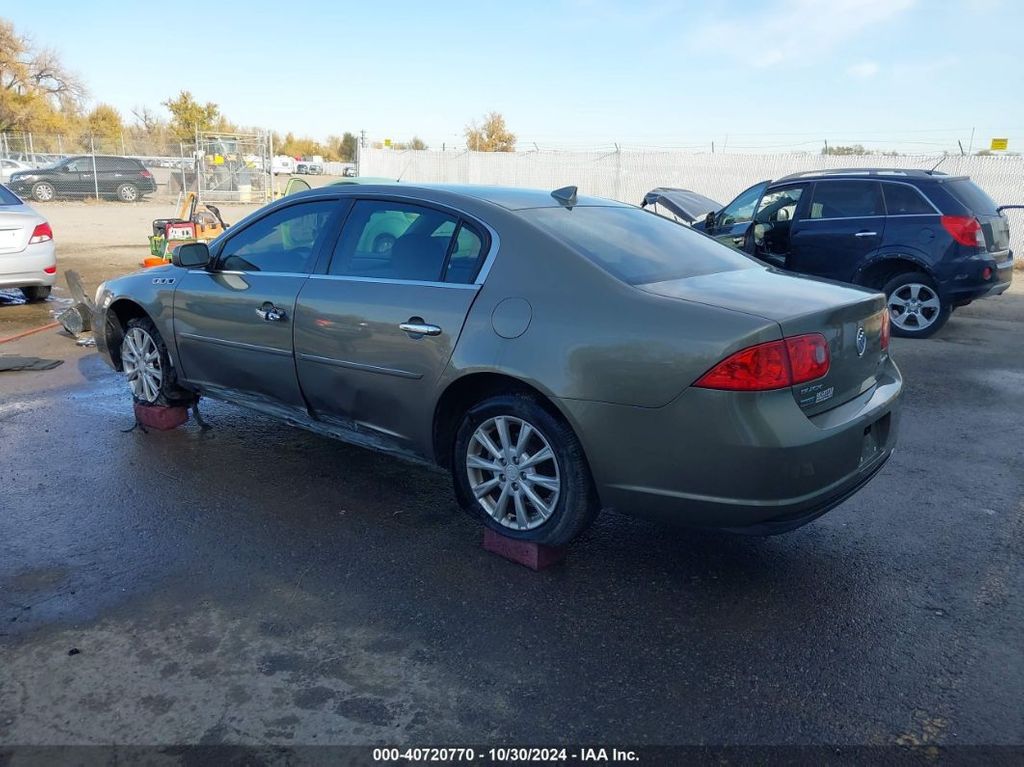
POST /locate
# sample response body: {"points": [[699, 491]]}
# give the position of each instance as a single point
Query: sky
{"points": [[906, 75]]}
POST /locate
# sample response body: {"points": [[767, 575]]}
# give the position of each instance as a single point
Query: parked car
{"points": [[28, 258], [282, 164], [123, 178], [557, 354], [9, 166], [929, 241], [302, 168]]}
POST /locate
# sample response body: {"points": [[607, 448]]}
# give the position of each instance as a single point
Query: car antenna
{"points": [[936, 165], [566, 196]]}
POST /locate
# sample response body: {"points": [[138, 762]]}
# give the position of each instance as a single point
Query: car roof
{"points": [[899, 174], [510, 198]]}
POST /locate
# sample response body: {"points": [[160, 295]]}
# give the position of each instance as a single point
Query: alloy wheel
{"points": [[140, 359], [914, 306], [513, 472]]}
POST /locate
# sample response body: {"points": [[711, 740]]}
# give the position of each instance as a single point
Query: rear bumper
{"points": [[737, 461], [964, 291], [27, 268]]}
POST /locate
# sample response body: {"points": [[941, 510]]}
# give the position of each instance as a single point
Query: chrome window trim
{"points": [[842, 218], [492, 252], [234, 273], [393, 281]]}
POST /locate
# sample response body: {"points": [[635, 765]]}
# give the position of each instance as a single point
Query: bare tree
{"points": [[490, 136]]}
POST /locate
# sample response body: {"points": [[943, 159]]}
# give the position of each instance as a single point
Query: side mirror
{"points": [[191, 255], [709, 220]]}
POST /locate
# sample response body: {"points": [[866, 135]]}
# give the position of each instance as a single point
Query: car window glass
{"points": [[7, 197], [465, 259], [637, 246], [778, 205], [393, 240], [284, 241], [903, 200], [81, 165], [846, 199], [106, 164], [741, 209]]}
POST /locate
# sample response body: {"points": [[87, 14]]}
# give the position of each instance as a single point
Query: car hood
{"points": [[760, 291], [683, 203]]}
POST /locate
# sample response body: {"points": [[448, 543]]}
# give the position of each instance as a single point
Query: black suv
{"points": [[118, 177], [929, 241]]}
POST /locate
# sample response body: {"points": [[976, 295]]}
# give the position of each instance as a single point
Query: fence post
{"points": [[618, 173], [269, 168], [95, 177]]}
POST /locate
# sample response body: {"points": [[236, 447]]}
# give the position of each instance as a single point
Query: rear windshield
{"points": [[7, 197], [972, 196], [635, 245]]}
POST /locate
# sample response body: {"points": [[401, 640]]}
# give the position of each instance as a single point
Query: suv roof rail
{"points": [[912, 172]]}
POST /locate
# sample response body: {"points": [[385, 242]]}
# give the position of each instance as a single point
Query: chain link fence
{"points": [[627, 175], [219, 167]]}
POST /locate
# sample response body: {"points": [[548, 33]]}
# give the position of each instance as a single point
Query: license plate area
{"points": [[876, 435]]}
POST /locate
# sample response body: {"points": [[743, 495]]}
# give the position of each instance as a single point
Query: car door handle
{"points": [[866, 234], [417, 327], [270, 313]]}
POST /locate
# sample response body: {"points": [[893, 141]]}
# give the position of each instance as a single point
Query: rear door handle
{"points": [[866, 234], [417, 327]]}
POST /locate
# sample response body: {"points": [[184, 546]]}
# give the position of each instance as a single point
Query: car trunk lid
{"points": [[15, 229], [849, 318]]}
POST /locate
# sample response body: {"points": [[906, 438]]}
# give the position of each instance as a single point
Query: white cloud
{"points": [[795, 30], [863, 70]]}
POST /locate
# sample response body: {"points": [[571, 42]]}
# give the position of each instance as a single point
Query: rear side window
{"points": [[972, 196], [904, 200], [7, 197], [637, 246], [846, 199]]}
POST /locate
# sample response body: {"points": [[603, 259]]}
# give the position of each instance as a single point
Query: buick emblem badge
{"points": [[862, 342]]}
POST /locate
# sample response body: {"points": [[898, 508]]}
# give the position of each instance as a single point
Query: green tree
{"points": [[189, 116], [492, 135], [104, 122], [349, 148], [855, 149]]}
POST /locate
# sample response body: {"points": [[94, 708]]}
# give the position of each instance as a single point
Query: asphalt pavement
{"points": [[258, 584]]}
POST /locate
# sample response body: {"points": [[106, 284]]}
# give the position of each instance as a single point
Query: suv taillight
{"points": [[145, 173], [774, 365], [42, 233], [965, 230], [886, 329]]}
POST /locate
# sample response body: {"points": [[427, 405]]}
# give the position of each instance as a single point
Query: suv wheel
{"points": [[36, 293], [128, 193], [43, 191], [915, 307], [521, 471], [147, 366]]}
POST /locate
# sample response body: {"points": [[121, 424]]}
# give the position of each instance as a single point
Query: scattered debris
{"points": [[15, 362], [77, 319], [89, 341], [74, 651]]}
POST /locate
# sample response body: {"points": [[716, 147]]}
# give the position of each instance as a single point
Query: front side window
{"points": [[284, 241], [846, 199], [394, 240], [637, 246], [903, 200], [778, 205], [741, 209]]}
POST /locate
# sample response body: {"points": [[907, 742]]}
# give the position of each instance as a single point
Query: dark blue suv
{"points": [[929, 241]]}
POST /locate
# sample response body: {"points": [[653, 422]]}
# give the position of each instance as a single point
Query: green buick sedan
{"points": [[557, 354]]}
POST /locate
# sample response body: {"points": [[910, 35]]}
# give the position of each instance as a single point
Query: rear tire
{"points": [[533, 487], [36, 293], [915, 306], [128, 193], [152, 378]]}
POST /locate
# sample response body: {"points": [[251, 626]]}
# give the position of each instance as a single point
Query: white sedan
{"points": [[28, 258], [8, 166]]}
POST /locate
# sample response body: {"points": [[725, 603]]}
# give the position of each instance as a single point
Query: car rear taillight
{"points": [[51, 269], [774, 365], [42, 233], [145, 173], [965, 230], [886, 330]]}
